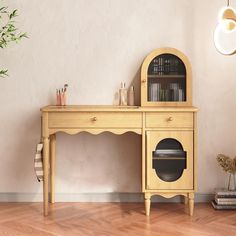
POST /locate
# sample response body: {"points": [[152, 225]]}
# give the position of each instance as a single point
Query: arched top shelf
{"points": [[166, 79]]}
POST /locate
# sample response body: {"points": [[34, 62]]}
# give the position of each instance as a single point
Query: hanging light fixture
{"points": [[225, 32]]}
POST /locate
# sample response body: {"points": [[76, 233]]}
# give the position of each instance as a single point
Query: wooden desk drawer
{"points": [[95, 120], [167, 119]]}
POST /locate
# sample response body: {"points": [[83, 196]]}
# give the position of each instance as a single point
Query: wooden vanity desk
{"points": [[149, 122]]}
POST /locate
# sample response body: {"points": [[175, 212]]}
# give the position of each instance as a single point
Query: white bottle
{"points": [[131, 96], [123, 95]]}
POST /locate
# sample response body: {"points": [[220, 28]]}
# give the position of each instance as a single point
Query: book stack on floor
{"points": [[224, 199]]}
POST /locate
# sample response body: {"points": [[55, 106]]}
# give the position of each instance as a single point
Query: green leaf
{"points": [[3, 73], [24, 35], [3, 9], [13, 14]]}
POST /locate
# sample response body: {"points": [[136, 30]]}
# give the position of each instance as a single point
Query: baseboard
{"points": [[96, 197]]}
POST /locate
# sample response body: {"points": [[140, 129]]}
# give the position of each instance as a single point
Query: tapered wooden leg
{"points": [[52, 167], [45, 174], [191, 203], [185, 200], [147, 203]]}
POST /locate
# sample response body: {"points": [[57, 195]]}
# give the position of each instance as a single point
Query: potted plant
{"points": [[229, 165]]}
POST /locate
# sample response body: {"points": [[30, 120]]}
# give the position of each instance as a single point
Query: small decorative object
{"points": [[131, 96], [123, 95], [229, 165], [58, 97], [38, 162], [61, 96], [224, 199]]}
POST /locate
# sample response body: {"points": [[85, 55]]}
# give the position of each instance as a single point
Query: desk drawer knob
{"points": [[144, 81], [94, 118], [169, 119]]}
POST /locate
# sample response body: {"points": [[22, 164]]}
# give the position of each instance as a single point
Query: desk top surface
{"points": [[106, 108]]}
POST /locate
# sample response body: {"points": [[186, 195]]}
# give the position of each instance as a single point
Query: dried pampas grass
{"points": [[228, 164]]}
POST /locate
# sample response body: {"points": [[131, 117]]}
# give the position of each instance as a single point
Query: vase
{"points": [[231, 183]]}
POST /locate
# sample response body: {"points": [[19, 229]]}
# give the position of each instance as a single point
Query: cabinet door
{"points": [[169, 160], [166, 79]]}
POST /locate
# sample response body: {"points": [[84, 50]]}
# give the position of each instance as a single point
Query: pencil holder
{"points": [[63, 99], [58, 99]]}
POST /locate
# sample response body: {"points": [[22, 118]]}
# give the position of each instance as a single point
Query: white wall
{"points": [[93, 45], [214, 93]]}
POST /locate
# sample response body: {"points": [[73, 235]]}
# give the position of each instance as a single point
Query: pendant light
{"points": [[225, 32]]}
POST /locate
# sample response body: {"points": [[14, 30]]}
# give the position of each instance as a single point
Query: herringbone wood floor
{"points": [[111, 219]]}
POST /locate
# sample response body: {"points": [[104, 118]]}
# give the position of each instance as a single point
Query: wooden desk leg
{"points": [[191, 203], [52, 167], [147, 197], [185, 200], [45, 174]]}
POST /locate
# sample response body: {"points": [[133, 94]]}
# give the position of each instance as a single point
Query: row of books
{"points": [[224, 199], [161, 66], [157, 92]]}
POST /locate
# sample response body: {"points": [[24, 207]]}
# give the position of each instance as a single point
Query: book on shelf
{"points": [[225, 201], [164, 66], [222, 207], [162, 95], [225, 193], [177, 93], [154, 92], [181, 95]]}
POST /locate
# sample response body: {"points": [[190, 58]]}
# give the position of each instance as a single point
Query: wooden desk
{"points": [[118, 120]]}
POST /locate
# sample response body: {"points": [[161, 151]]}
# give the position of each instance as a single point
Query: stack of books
{"points": [[224, 199]]}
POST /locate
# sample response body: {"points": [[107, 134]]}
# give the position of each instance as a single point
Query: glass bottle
{"points": [[131, 96], [123, 95]]}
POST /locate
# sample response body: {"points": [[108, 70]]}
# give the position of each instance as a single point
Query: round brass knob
{"points": [[144, 81], [94, 118], [170, 118]]}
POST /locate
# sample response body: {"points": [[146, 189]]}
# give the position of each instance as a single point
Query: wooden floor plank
{"points": [[114, 219]]}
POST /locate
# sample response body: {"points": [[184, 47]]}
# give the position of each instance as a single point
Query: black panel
{"points": [[169, 160]]}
